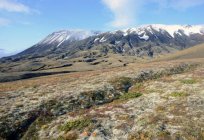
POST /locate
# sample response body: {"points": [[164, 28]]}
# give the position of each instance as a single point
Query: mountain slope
{"points": [[190, 53], [55, 40]]}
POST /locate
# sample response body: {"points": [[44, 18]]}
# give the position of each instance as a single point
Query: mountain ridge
{"points": [[66, 48], [143, 33]]}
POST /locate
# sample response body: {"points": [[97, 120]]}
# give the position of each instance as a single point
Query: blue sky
{"points": [[25, 22]]}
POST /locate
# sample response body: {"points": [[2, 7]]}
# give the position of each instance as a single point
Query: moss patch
{"points": [[188, 81], [127, 96], [78, 124], [178, 94]]}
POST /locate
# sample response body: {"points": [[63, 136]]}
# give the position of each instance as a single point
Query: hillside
{"points": [[190, 53]]}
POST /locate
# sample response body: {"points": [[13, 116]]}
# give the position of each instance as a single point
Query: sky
{"points": [[23, 23]]}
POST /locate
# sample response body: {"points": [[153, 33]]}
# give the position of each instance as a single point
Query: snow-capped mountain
{"points": [[172, 30], [67, 35], [150, 40], [154, 31], [145, 40], [56, 40]]}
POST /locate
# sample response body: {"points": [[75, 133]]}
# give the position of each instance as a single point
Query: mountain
{"points": [[146, 41], [140, 41], [55, 40]]}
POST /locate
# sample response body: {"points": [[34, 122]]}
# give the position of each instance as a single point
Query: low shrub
{"points": [[122, 83], [188, 81], [127, 96], [78, 124], [178, 94]]}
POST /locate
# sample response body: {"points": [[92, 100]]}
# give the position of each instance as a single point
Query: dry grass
{"points": [[178, 94], [190, 53], [59, 87], [69, 136], [188, 81], [66, 78]]}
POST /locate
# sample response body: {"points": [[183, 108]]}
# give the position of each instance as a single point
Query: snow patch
{"points": [[102, 39], [145, 37], [96, 39], [202, 30], [178, 33], [171, 29], [117, 42], [125, 33]]}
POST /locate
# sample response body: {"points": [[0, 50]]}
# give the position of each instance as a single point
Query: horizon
{"points": [[25, 23]]}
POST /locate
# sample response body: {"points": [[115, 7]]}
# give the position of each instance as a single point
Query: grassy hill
{"points": [[190, 53]]}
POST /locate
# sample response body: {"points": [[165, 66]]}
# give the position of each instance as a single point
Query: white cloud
{"points": [[12, 6], [4, 22], [127, 12], [8, 52], [3, 53], [124, 11]]}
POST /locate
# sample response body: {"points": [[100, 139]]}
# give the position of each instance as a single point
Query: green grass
{"points": [[78, 124], [178, 94], [127, 96], [188, 81]]}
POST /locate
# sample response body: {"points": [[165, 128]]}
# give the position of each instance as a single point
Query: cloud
{"points": [[2, 53], [127, 12], [4, 22], [7, 52], [12, 6], [124, 11]]}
